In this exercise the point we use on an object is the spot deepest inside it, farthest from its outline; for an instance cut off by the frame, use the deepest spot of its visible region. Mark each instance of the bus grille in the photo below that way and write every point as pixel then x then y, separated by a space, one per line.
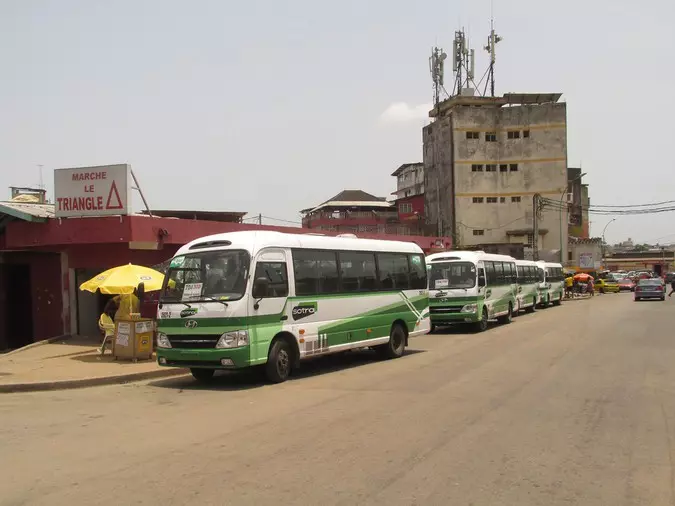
pixel 194 342
pixel 445 309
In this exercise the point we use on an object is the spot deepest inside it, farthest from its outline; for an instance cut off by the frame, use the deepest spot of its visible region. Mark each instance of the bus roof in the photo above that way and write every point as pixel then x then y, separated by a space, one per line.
pixel 549 264
pixel 467 256
pixel 255 240
pixel 526 262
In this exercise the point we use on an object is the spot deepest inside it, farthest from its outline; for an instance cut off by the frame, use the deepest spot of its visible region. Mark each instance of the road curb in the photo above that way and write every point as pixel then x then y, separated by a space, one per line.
pixel 90 382
pixel 30 346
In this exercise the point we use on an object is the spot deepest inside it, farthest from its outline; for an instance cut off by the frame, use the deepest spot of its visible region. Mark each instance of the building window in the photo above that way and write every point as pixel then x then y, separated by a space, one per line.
pixel 491 167
pixel 472 135
pixel 526 134
pixel 479 232
pixel 477 200
pixel 490 137
pixel 513 134
pixel 476 167
pixel 405 207
pixel 503 167
pixel 491 200
pixel 513 167
pixel 502 200
pixel 515 199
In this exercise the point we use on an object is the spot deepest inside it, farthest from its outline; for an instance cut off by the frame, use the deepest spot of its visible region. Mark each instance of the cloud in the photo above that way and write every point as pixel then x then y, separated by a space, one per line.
pixel 402 112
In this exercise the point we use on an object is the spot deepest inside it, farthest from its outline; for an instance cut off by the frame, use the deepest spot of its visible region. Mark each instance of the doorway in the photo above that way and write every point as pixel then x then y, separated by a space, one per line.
pixel 89 305
pixel 18 305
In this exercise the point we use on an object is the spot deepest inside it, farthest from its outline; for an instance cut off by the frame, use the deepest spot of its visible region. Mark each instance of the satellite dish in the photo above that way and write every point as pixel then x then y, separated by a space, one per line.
pixel 443 56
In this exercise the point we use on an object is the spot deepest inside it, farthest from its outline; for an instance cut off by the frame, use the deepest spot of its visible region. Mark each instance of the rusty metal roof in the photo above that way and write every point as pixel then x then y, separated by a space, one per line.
pixel 27 211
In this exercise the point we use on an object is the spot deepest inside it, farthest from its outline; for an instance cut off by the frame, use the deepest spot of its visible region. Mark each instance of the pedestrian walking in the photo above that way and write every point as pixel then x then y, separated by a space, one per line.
pixel 672 287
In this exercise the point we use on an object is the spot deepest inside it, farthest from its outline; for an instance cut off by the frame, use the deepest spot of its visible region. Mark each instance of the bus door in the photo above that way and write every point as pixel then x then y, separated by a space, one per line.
pixel 267 308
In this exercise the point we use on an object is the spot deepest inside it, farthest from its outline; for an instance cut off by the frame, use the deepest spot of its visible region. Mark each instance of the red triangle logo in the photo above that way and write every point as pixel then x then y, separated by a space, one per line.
pixel 113 190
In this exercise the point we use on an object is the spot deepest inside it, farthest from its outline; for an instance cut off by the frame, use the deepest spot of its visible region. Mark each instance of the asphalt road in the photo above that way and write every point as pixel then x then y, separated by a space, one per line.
pixel 571 405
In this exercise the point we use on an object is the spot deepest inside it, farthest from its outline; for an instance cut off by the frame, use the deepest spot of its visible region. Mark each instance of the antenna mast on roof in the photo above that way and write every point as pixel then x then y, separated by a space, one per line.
pixel 493 39
pixel 436 68
pixel 463 60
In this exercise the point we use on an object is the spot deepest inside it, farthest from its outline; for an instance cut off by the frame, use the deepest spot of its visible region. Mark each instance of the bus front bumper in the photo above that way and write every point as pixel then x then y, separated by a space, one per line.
pixel 234 358
pixel 445 318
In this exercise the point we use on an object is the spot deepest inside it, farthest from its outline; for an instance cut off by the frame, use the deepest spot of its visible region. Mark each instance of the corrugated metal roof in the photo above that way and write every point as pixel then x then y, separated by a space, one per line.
pixel 26 211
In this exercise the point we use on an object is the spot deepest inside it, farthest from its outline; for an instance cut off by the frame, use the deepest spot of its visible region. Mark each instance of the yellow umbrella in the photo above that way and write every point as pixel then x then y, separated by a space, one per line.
pixel 123 280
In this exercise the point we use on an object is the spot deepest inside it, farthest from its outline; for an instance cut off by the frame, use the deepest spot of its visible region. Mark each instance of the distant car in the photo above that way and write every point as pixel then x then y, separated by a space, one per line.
pixel 626 285
pixel 650 289
pixel 606 286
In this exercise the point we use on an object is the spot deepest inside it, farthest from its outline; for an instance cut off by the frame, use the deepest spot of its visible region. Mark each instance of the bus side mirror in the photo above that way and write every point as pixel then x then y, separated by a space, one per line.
pixel 481 280
pixel 260 288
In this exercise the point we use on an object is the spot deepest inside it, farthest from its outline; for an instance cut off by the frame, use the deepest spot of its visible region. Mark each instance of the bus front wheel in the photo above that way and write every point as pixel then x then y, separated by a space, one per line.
pixel 508 317
pixel 279 362
pixel 482 324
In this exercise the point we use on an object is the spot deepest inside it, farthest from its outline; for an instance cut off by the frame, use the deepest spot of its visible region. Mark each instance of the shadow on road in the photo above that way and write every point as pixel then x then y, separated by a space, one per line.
pixel 254 377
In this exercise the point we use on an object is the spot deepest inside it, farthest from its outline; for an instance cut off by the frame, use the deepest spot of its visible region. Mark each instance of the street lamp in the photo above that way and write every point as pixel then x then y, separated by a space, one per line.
pixel 569 182
pixel 602 249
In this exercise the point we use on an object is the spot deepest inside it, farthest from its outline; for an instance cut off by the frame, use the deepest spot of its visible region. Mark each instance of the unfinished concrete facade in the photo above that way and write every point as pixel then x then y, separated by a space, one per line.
pixel 485 159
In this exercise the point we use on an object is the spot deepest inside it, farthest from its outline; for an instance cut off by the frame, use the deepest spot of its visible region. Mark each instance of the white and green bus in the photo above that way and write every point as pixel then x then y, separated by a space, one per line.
pixel 242 299
pixel 552 283
pixel 528 285
pixel 471 287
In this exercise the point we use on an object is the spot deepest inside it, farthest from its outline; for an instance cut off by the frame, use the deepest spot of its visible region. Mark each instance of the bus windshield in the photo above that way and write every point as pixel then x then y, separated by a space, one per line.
pixel 449 275
pixel 209 275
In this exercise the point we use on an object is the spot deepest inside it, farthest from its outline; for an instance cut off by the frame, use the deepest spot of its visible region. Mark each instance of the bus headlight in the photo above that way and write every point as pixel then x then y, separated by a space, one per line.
pixel 469 308
pixel 233 339
pixel 163 340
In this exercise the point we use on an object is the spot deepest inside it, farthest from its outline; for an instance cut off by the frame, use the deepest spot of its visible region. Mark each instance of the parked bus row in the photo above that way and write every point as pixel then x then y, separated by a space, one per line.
pixel 473 287
pixel 268 299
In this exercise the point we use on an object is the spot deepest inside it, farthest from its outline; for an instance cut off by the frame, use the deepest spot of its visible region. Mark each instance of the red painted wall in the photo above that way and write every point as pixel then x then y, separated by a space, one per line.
pixel 45 287
pixel 55 234
pixel 417 202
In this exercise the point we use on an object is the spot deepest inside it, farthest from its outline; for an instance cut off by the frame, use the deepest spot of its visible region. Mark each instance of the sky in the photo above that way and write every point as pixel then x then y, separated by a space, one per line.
pixel 270 107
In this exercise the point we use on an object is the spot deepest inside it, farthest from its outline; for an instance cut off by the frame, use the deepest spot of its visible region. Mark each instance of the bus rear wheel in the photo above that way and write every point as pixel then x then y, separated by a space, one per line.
pixel 396 345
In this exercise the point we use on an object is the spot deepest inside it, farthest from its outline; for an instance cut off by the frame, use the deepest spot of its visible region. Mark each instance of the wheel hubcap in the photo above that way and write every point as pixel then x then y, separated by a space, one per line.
pixel 282 362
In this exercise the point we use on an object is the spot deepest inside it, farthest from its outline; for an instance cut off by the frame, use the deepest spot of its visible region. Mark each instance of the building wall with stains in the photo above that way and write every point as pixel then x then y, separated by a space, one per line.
pixel 484 165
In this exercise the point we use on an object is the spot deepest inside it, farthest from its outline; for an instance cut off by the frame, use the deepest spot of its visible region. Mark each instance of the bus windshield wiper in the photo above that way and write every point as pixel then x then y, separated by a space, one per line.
pixel 217 300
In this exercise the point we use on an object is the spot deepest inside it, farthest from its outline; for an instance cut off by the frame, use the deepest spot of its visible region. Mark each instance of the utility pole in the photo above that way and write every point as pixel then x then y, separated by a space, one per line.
pixel 260 219
pixel 535 226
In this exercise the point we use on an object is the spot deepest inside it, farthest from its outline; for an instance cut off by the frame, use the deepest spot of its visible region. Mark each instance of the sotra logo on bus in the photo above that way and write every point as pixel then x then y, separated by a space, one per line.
pixel 188 312
pixel 304 309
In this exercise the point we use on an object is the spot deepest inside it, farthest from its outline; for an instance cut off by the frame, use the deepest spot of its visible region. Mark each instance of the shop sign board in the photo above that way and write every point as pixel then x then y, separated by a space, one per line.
pixel 92 191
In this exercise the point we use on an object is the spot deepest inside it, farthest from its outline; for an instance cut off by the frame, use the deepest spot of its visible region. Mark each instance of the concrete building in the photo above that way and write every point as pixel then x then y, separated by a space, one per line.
pixel 352 211
pixel 584 254
pixel 484 160
pixel 577 202
pixel 409 196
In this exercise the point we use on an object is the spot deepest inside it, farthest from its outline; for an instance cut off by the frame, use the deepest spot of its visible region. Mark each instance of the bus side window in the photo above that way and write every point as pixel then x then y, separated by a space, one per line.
pixel 276 273
pixel 490 274
pixel 418 272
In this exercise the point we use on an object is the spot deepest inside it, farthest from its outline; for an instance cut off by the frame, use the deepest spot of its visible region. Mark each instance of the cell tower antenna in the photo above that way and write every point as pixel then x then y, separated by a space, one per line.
pixel 437 70
pixel 493 39
pixel 463 63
